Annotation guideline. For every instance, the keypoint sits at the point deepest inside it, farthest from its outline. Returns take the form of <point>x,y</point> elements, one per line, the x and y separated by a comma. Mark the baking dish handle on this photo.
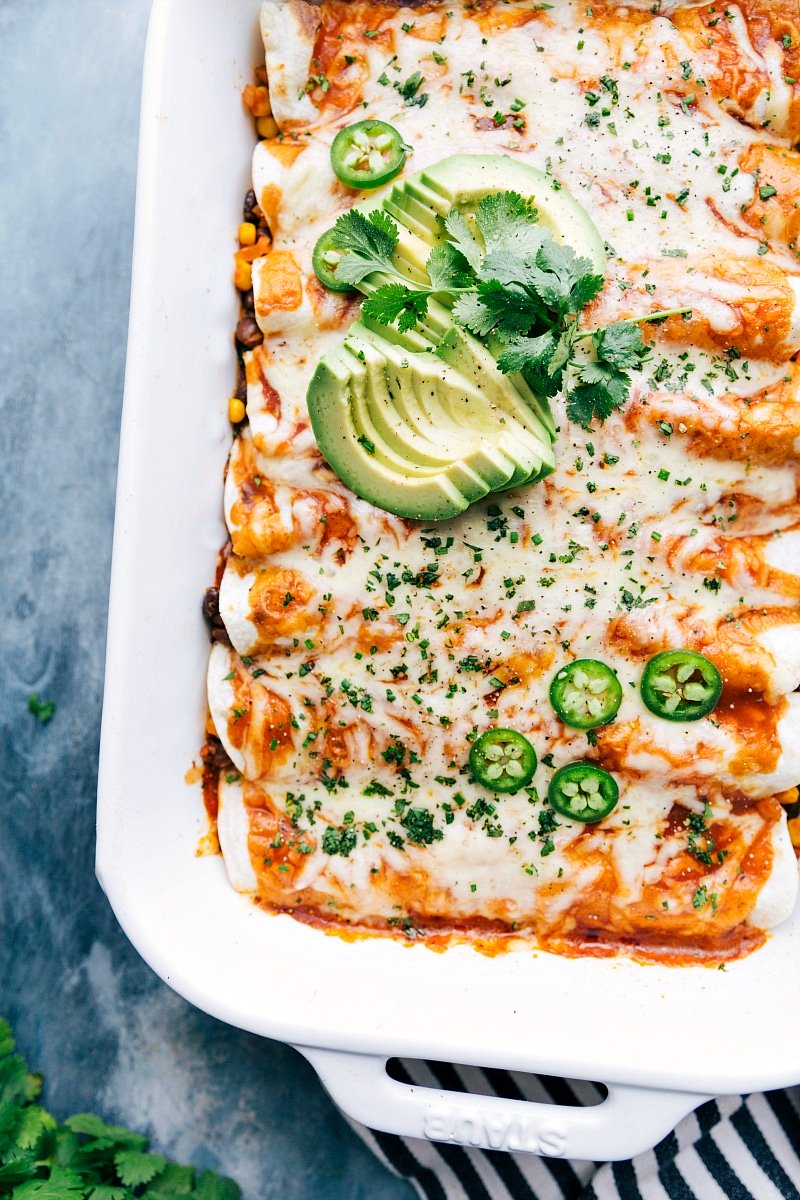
<point>629,1121</point>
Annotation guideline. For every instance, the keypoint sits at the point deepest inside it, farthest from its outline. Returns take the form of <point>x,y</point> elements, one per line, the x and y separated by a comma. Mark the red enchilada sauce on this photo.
<point>711,928</point>
<point>708,931</point>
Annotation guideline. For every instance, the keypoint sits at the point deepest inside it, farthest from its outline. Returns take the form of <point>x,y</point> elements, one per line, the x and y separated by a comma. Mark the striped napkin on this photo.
<point>732,1148</point>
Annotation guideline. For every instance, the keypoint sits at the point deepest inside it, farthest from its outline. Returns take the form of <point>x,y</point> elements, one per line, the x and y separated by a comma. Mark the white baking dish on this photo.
<point>660,1038</point>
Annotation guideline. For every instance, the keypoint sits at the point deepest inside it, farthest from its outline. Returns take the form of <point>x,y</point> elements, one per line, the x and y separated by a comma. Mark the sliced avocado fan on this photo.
<point>421,422</point>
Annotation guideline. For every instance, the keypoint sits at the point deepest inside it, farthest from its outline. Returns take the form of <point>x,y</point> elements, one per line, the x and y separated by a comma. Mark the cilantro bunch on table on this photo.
<point>83,1158</point>
<point>509,282</point>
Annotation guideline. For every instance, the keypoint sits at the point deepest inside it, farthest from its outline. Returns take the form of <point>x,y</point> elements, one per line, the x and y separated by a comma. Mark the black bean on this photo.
<point>211,613</point>
<point>241,385</point>
<point>211,604</point>
<point>250,203</point>
<point>248,334</point>
<point>248,302</point>
<point>216,755</point>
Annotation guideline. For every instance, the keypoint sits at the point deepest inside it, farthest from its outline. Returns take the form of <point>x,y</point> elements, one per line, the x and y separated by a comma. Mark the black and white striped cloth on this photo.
<point>732,1148</point>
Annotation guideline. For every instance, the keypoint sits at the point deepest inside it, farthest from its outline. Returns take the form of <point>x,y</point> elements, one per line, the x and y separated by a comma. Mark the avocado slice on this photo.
<point>462,350</point>
<point>408,399</point>
<point>392,410</point>
<point>459,348</point>
<point>507,394</point>
<point>452,403</point>
<point>419,219</point>
<point>398,460</point>
<point>413,416</point>
<point>397,441</point>
<point>464,179</point>
<point>466,407</point>
<point>432,496</point>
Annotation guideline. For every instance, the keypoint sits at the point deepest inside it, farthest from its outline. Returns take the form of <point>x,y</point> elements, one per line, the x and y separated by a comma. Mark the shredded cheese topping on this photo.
<point>369,651</point>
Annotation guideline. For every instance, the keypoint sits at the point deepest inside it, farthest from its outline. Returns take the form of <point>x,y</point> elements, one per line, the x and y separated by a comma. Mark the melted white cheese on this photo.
<point>634,529</point>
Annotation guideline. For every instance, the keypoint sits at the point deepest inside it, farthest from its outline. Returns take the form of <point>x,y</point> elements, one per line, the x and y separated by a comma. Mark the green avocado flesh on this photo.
<point>422,422</point>
<point>414,436</point>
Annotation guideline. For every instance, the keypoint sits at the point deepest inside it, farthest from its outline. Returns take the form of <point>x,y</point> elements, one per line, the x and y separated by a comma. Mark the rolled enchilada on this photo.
<point>369,651</point>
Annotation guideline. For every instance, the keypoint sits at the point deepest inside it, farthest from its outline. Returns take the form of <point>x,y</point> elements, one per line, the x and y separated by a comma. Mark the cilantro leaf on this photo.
<point>501,215</point>
<point>469,311</point>
<point>493,305</point>
<point>9,1122</point>
<point>604,383</point>
<point>63,1184</point>
<point>16,1082</point>
<point>510,264</point>
<point>524,351</point>
<point>393,301</point>
<point>174,1180</point>
<point>215,1187</point>
<point>581,404</point>
<point>563,281</point>
<point>369,241</point>
<point>541,359</point>
<point>34,1125</point>
<point>512,237</point>
<point>601,389</point>
<point>135,1167</point>
<point>85,1159</point>
<point>104,1136</point>
<point>463,239</point>
<point>43,710</point>
<point>16,1171</point>
<point>621,345</point>
<point>584,290</point>
<point>600,373</point>
<point>448,269</point>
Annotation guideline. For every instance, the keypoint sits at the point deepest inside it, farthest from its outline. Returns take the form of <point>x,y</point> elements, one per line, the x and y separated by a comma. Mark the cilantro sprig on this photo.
<point>511,284</point>
<point>83,1159</point>
<point>43,710</point>
<point>592,368</point>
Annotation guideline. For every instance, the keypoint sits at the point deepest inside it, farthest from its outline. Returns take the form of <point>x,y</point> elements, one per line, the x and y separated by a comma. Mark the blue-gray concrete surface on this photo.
<point>107,1033</point>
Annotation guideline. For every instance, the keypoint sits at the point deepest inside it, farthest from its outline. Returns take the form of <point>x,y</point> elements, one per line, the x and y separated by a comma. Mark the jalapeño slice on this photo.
<point>325,260</point>
<point>681,685</point>
<point>583,792</point>
<point>503,760</point>
<point>585,694</point>
<point>367,154</point>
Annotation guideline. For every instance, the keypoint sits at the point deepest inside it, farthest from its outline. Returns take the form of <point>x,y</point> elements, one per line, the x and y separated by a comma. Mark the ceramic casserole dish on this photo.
<point>661,1039</point>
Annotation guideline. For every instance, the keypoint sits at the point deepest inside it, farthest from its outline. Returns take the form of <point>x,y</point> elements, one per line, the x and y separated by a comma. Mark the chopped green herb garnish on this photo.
<point>43,710</point>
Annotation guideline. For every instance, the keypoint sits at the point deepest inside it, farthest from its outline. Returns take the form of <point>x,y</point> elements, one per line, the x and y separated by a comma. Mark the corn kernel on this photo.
<point>242,275</point>
<point>236,410</point>
<point>257,100</point>
<point>266,127</point>
<point>247,234</point>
